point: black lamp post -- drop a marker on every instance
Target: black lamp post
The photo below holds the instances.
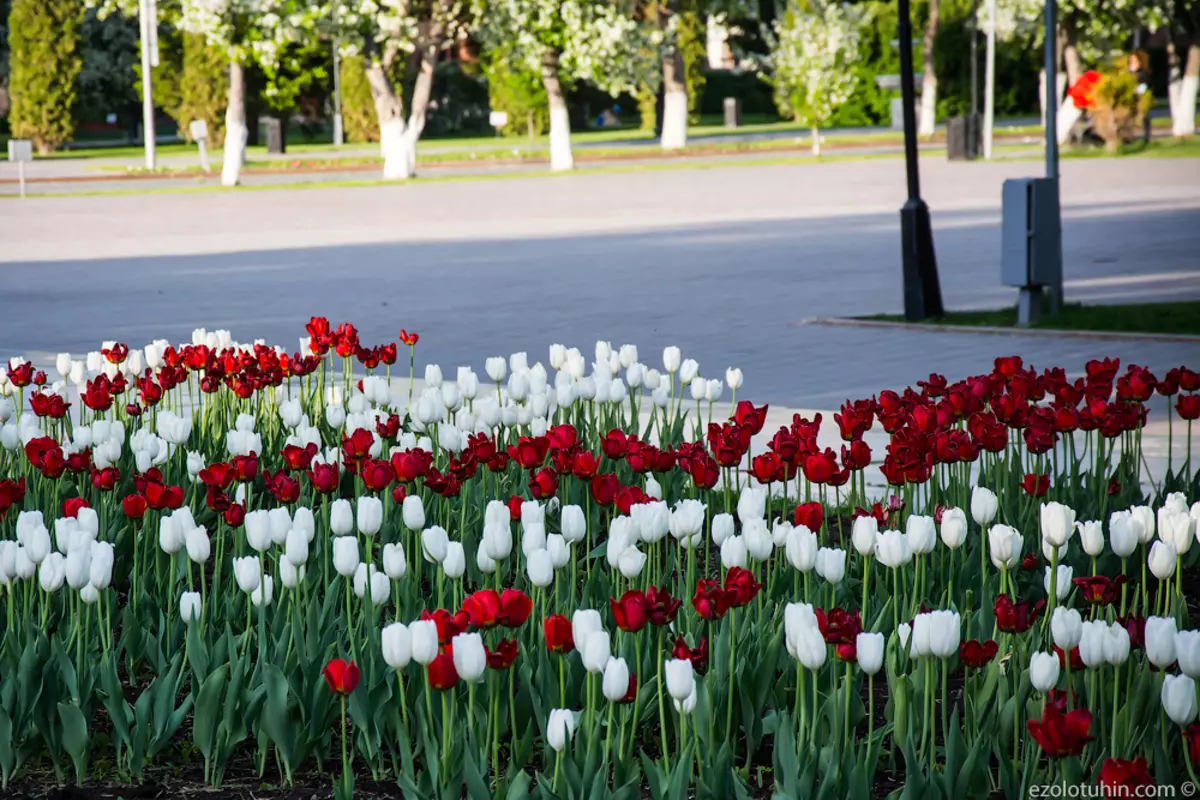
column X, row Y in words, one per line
column 922, row 292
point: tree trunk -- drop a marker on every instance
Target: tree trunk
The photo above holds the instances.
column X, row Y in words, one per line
column 675, row 101
column 816, row 141
column 399, row 162
column 1183, row 119
column 560, row 121
column 928, row 123
column 235, row 127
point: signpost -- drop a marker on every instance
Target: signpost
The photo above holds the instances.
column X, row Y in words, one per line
column 20, row 151
column 498, row 119
column 148, row 20
column 922, row 292
column 198, row 129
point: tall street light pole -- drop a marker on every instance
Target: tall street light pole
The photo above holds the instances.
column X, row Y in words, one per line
column 1050, row 54
column 148, row 24
column 989, row 83
column 338, row 132
column 922, row 292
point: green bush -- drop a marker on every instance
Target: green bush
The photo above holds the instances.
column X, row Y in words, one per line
column 358, row 107
column 44, row 59
column 519, row 94
column 749, row 87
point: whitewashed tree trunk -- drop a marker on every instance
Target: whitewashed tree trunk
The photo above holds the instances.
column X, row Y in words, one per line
column 675, row 102
column 928, row 122
column 1183, row 114
column 816, row 141
column 561, row 159
column 716, row 44
column 399, row 161
column 235, row 127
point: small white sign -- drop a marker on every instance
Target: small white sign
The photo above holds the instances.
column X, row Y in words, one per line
column 198, row 129
column 498, row 119
column 20, row 150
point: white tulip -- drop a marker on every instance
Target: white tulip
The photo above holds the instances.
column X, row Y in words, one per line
column 345, row 555
column 984, row 505
column 341, row 517
column 189, row 606
column 424, row 636
column 396, row 644
column 680, row 677
column 455, row 563
column 435, row 544
column 954, row 528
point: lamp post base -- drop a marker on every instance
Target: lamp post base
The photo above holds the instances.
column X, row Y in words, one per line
column 922, row 293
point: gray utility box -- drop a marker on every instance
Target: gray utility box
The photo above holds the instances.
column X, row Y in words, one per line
column 1031, row 242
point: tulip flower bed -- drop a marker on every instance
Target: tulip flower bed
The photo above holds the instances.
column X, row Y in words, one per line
column 223, row 564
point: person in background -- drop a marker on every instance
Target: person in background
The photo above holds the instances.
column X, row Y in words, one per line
column 1139, row 65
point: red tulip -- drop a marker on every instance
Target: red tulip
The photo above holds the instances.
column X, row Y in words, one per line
column 71, row 506
column 299, row 458
column 740, row 586
column 235, row 515
column 514, row 508
column 1122, row 778
column 515, row 607
column 1099, row 590
column 503, row 656
column 543, row 483
column 1061, row 735
column 105, row 479
column 219, row 475
column 134, row 506
column 409, row 339
column 161, row 497
column 839, row 626
column 341, row 675
column 1192, row 739
column 559, row 638
column 711, row 601
column 448, row 625
column 483, row 608
column 604, row 488
column 810, row 515
column 630, row 611
column 746, row 414
column 661, row 608
column 698, row 657
column 376, row 475
column 323, row 477
column 584, row 465
column 1036, row 485
column 245, row 468
column 1188, row 406
column 1016, row 617
column 441, row 673
column 976, row 654
column 615, row 444
column 630, row 693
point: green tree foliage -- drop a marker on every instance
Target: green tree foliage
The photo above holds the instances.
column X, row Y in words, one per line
column 519, row 94
column 106, row 82
column 358, row 109
column 203, row 85
column 44, row 42
column 693, row 43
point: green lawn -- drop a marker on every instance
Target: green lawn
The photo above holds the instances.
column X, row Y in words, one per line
column 1181, row 317
column 1158, row 148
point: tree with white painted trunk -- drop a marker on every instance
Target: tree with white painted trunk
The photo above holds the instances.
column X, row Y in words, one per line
column 565, row 41
column 1183, row 50
column 248, row 32
column 814, row 48
column 388, row 33
column 927, row 113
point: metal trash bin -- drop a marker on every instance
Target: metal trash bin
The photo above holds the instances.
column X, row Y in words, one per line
column 276, row 135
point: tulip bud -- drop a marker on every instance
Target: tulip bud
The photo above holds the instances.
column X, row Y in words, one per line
column 759, row 541
column 413, row 513
column 945, row 633
column 1004, row 545
column 290, row 575
column 265, row 592
column 1091, row 537
column 574, row 525
column 198, row 545
column 1116, row 645
column 631, row 562
column 455, row 562
column 831, row 564
column 596, row 652
column 893, row 550
column 1062, row 583
column 560, row 727
column 584, row 622
column 1144, row 517
column 170, row 538
column 424, row 637
column 722, row 528
column 921, row 534
column 258, row 530
column 984, row 505
column 680, row 678
column 733, row 378
column 341, row 517
column 435, row 544
column 1179, row 699
column 483, row 561
column 1066, row 625
column 189, row 606
column 78, row 566
column 394, row 563
column 540, row 569
column 396, row 644
column 1091, row 643
column 1160, row 641
column 89, row 594
column 869, row 648
column 671, row 359
column 52, row 572
column 1162, row 560
column 801, row 549
column 560, row 553
column 954, row 528
column 248, row 573
column 1043, row 671
column 370, row 515
column 470, row 659
column 866, row 528
column 1123, row 533
column 1187, row 651
column 1058, row 522
column 345, row 555
column 733, row 552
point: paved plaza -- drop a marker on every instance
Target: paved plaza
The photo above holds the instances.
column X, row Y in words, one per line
column 727, row 262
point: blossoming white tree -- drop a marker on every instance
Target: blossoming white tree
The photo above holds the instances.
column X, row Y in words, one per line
column 385, row 32
column 564, row 41
column 812, row 57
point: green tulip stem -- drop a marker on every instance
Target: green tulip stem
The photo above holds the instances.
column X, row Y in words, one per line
column 866, row 584
column 729, row 704
column 799, row 699
column 945, row 703
column 557, row 766
column 345, row 757
column 870, row 721
column 846, row 708
column 1116, row 705
column 445, row 736
column 662, row 716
